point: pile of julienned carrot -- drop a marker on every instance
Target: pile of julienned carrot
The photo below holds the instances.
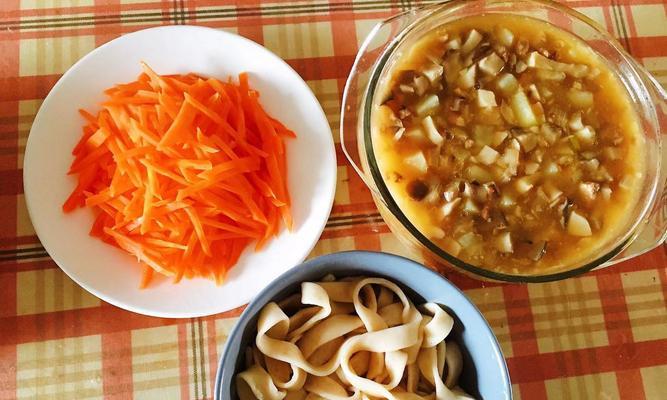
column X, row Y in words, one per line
column 184, row 172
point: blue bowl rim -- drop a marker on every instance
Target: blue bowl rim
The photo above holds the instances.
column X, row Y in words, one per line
column 278, row 284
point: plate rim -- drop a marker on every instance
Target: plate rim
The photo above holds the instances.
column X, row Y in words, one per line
column 245, row 299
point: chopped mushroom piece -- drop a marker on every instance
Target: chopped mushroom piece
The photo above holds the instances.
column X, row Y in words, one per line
column 577, row 225
column 536, row 250
column 486, row 98
column 491, row 64
column 417, row 189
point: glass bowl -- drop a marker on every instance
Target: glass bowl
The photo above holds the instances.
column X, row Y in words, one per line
column 648, row 227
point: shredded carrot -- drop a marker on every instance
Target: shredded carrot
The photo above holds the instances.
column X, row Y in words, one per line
column 183, row 172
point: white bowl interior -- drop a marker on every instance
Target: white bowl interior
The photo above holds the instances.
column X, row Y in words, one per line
column 110, row 273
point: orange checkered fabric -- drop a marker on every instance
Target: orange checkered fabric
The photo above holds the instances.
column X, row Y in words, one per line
column 599, row 336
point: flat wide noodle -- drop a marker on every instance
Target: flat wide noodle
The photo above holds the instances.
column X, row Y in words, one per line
column 354, row 339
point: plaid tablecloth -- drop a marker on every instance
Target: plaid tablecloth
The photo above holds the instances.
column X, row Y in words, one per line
column 600, row 336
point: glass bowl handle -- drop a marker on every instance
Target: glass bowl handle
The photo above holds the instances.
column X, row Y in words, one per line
column 654, row 231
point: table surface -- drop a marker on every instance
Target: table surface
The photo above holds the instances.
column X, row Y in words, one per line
column 600, row 336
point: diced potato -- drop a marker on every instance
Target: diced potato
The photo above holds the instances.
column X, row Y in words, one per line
column 626, row 183
column 417, row 161
column 433, row 72
column 467, row 77
column 505, row 36
column 479, row 174
column 499, row 137
column 551, row 168
column 520, row 67
column 428, row 104
column 449, row 207
column 482, row 134
column 552, row 192
column 503, row 243
column 473, row 39
column 523, row 185
column 577, row 225
column 531, row 168
column 421, row 84
column 491, row 64
column 399, row 134
column 528, row 141
column 431, row 131
column 486, row 98
column 507, row 84
column 611, row 153
column 549, row 75
column 468, row 240
column 588, row 191
column 537, row 60
column 511, row 159
column 451, row 246
column 506, row 201
column 523, row 110
column 575, row 122
column 580, row 98
column 550, row 133
column 435, row 233
column 507, row 113
column 586, row 135
column 606, row 192
column 453, row 44
column 470, row 208
column 487, row 155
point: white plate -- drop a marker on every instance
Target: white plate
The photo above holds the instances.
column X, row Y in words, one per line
column 113, row 275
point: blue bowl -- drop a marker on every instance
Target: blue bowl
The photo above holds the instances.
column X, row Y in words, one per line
column 484, row 373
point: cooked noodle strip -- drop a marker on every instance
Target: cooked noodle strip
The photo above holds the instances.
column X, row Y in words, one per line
column 352, row 339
